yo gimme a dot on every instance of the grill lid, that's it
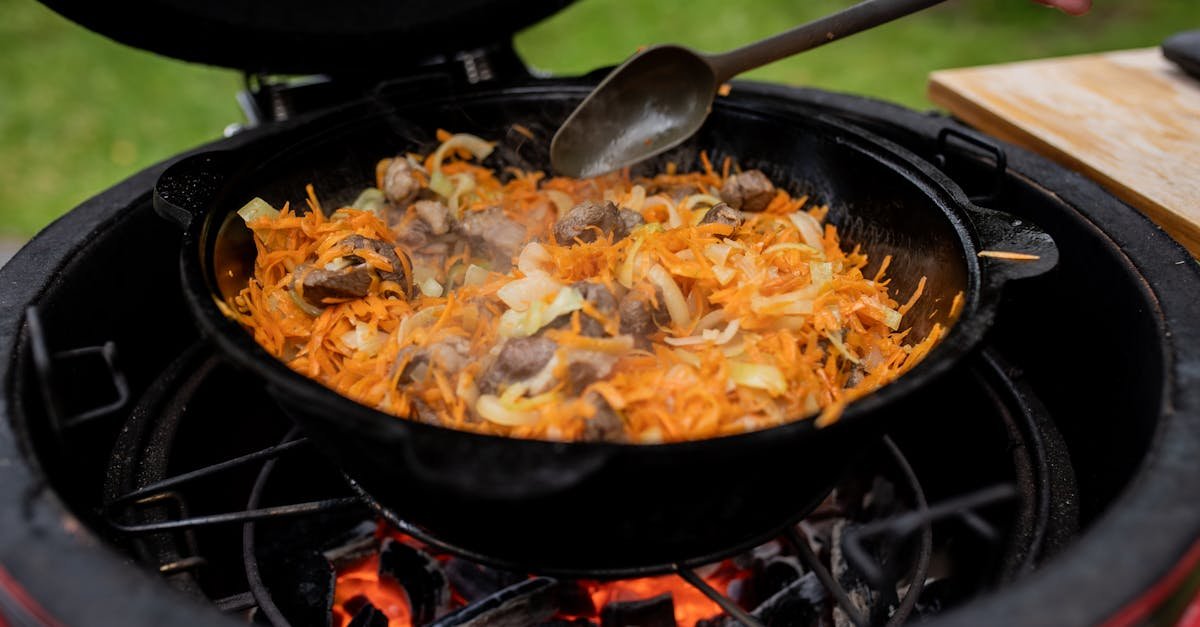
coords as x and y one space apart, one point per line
379 37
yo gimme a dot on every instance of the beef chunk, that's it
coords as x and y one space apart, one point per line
600 299
631 219
497 235
519 358
676 191
587 221
749 191
722 213
400 184
349 282
354 280
435 214
389 252
422 412
605 425
639 315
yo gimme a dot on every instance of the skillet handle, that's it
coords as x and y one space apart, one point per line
1011 248
185 190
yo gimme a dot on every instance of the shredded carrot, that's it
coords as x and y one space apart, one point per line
765 326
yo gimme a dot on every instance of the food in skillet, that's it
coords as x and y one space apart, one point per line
683 306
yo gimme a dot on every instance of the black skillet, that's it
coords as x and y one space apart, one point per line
599 507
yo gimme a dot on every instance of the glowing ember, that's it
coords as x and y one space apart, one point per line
690 604
362 582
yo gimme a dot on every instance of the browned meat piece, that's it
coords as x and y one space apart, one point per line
389 252
494 233
412 233
631 220
639 315
585 367
749 191
605 425
599 298
520 358
434 214
354 280
422 412
676 192
400 184
587 221
722 213
450 355
320 284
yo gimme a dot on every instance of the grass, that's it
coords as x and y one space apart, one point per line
79 113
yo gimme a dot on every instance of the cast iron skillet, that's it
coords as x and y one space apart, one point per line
600 507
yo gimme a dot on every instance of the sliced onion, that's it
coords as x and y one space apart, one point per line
821 272
431 288
810 229
424 318
519 294
626 271
711 320
364 339
534 259
303 305
637 196
888 316
490 408
478 147
804 248
724 275
786 304
690 202
371 199
835 339
515 323
719 253
562 201
475 275
676 304
257 208
759 376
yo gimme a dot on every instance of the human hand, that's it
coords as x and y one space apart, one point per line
1074 7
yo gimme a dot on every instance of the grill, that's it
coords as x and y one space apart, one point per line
146 481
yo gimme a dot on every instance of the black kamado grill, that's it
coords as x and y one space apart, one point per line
1050 479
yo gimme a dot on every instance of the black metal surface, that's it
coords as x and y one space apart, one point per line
1130 423
679 501
379 38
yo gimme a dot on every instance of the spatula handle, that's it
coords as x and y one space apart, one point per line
857 18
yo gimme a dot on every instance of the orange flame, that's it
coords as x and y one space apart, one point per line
691 605
362 580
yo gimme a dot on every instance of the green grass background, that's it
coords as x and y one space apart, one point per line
79 113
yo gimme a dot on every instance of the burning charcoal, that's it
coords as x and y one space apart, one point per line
562 622
475 581
421 577
799 603
530 602
656 611
574 600
366 615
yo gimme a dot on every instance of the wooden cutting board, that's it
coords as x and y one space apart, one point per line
1128 119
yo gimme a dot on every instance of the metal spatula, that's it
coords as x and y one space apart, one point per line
662 95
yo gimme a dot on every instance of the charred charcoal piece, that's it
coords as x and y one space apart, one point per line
801 602
587 221
475 581
656 611
530 602
722 213
400 184
498 236
749 191
421 577
520 358
366 615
